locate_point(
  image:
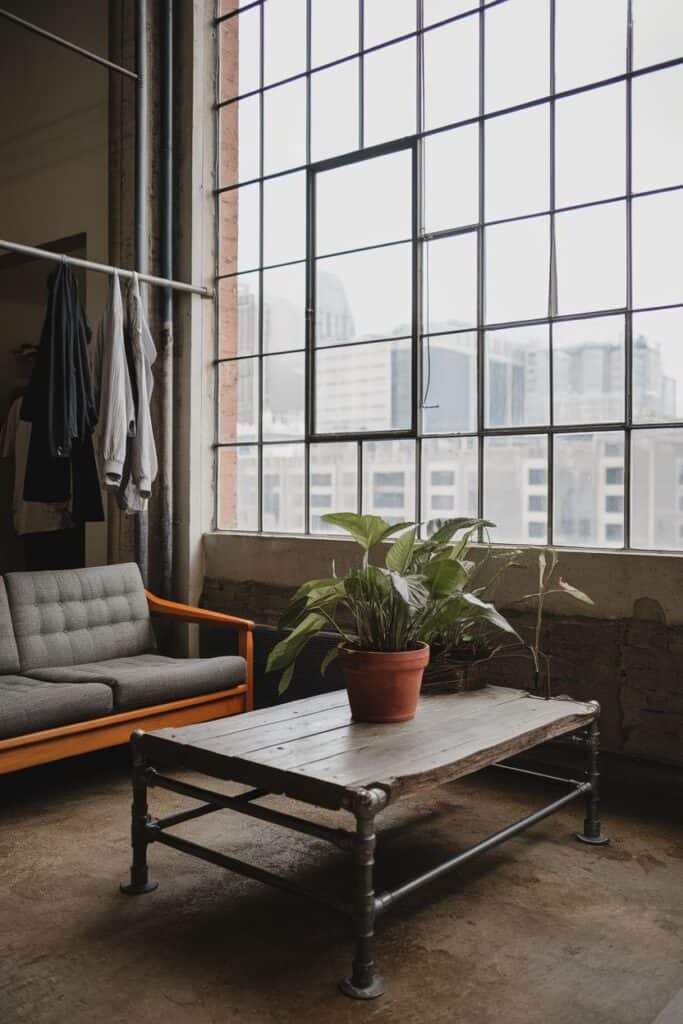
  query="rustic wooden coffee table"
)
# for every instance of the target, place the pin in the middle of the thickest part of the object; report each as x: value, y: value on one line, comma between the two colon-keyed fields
x: 312, y: 751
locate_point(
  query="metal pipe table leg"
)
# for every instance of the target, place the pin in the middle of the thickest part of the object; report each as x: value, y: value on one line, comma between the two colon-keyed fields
x: 591, y: 826
x: 139, y: 873
x: 364, y: 983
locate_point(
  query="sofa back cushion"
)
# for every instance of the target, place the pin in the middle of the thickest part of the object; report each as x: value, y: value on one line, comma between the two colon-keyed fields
x: 9, y: 655
x: 73, y: 616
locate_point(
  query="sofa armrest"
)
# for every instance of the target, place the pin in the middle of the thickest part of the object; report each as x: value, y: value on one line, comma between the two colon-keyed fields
x: 188, y: 613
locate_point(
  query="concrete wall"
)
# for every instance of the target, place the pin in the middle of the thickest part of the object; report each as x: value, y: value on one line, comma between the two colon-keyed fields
x: 626, y: 650
x: 53, y: 163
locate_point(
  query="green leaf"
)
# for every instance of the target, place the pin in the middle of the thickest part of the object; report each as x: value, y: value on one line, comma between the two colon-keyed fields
x: 444, y: 576
x: 328, y: 659
x: 285, y: 679
x: 574, y: 592
x: 365, y: 530
x: 490, y: 613
x: 446, y: 529
x: 401, y: 551
x: 410, y: 589
x: 285, y: 653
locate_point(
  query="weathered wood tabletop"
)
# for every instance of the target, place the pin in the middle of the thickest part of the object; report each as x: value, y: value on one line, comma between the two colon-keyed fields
x: 312, y: 750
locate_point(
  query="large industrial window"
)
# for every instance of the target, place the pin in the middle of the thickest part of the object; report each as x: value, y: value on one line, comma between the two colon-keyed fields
x: 451, y: 266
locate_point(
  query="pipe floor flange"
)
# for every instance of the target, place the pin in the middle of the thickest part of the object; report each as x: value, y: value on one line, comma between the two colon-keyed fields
x: 372, y: 991
x: 138, y: 890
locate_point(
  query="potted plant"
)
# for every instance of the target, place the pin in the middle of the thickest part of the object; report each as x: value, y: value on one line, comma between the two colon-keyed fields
x: 384, y: 614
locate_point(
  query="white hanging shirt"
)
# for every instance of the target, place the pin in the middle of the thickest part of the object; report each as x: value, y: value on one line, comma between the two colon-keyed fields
x: 113, y: 391
x: 142, y: 449
x: 29, y: 516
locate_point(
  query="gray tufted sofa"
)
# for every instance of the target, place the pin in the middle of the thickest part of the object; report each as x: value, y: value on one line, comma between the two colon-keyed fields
x: 80, y: 668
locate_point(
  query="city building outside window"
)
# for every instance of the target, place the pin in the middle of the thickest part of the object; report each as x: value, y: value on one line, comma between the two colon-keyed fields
x: 448, y: 273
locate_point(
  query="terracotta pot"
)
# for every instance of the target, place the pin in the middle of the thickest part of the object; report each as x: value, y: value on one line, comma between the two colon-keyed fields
x: 383, y: 686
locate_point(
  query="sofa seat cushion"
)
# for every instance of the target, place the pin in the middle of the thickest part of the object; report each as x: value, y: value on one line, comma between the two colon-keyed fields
x: 148, y: 679
x: 28, y: 705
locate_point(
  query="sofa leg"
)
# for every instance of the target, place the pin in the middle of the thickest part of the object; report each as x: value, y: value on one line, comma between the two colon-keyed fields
x: 139, y: 873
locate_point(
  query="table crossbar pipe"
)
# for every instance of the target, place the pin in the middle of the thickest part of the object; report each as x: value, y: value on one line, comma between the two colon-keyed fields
x: 537, y: 775
x: 177, y: 819
x: 240, y: 867
x: 391, y: 896
x: 337, y: 836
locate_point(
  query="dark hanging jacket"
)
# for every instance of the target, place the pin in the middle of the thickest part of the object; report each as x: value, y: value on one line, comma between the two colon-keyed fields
x: 60, y: 404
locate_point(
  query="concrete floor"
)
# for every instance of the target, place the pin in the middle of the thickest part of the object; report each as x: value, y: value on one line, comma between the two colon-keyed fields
x: 540, y: 931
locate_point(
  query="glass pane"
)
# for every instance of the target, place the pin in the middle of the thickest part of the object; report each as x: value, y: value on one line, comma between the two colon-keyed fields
x: 334, y: 111
x: 590, y: 146
x: 450, y: 280
x: 657, y: 228
x: 516, y: 488
x: 284, y: 39
x: 517, y: 382
x: 520, y: 185
x: 439, y: 10
x: 589, y: 490
x: 591, y: 258
x: 517, y: 289
x: 451, y: 72
x: 240, y: 35
x: 658, y: 366
x: 364, y: 203
x: 390, y: 90
x: 364, y: 295
x: 238, y: 313
x: 334, y: 30
x: 589, y: 370
x: 657, y: 489
x: 658, y: 130
x: 284, y: 305
x: 239, y: 221
x: 449, y: 383
x: 240, y: 141
x: 333, y: 483
x: 238, y: 488
x: 590, y: 41
x: 517, y: 53
x: 389, y: 480
x: 284, y: 127
x: 363, y: 387
x: 283, y: 396
x: 284, y: 488
x: 450, y: 472
x: 387, y: 19
x: 451, y: 168
x: 284, y: 219
x: 238, y: 400
x: 657, y: 31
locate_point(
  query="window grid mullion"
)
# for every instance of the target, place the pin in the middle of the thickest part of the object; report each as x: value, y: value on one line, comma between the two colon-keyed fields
x: 419, y: 241
x: 259, y: 449
x: 628, y: 336
x: 552, y: 283
x: 481, y: 275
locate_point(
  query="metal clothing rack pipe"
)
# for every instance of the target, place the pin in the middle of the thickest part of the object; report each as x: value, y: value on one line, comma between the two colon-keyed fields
x: 103, y: 268
x: 37, y: 30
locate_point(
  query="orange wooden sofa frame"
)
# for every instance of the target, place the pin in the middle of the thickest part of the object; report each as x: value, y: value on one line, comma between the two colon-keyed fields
x: 81, y: 737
